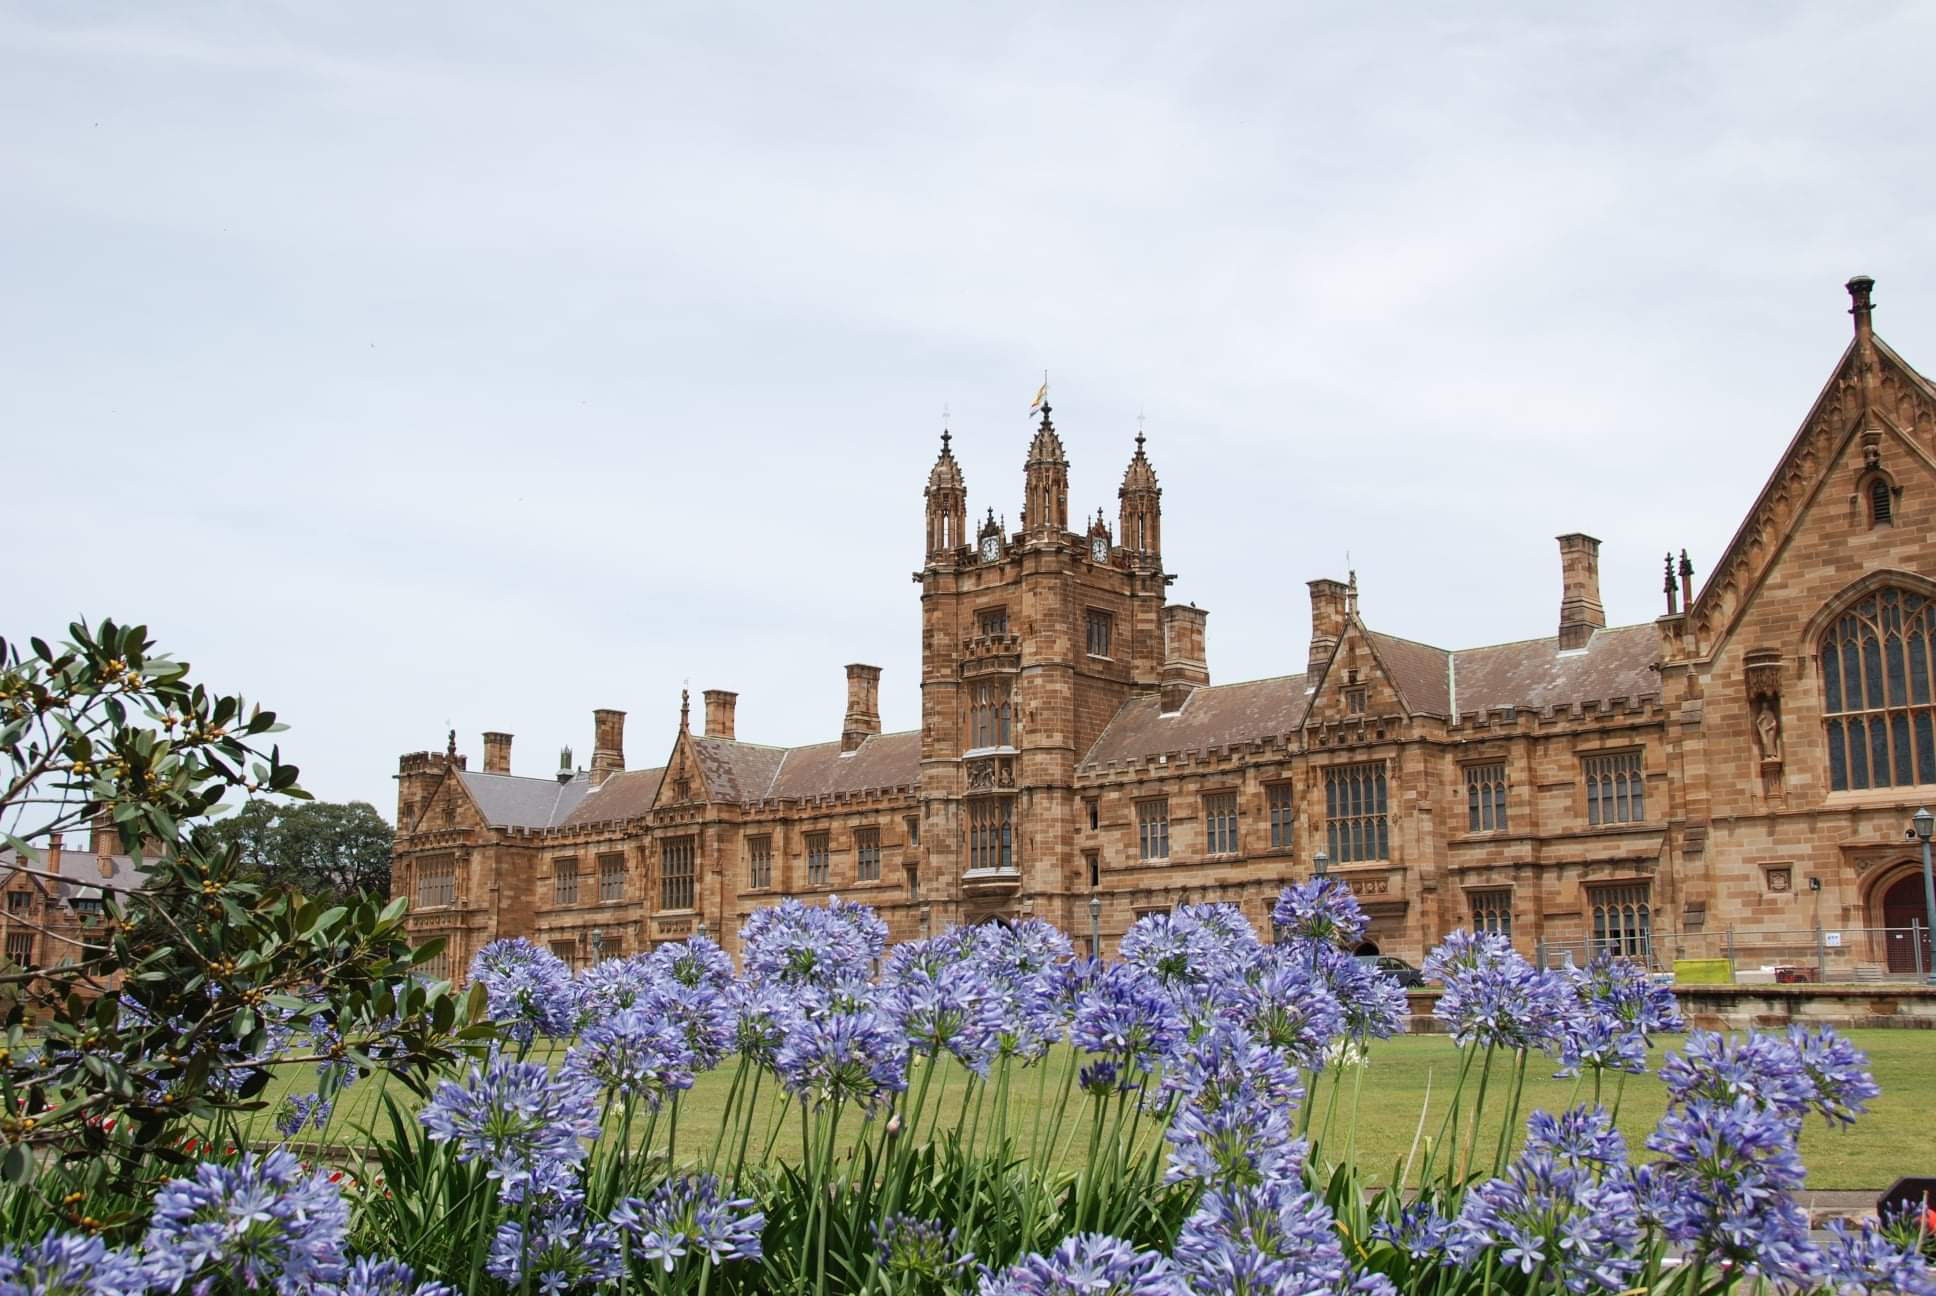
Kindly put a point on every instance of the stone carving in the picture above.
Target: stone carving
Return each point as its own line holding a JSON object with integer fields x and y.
{"x": 981, "y": 776}
{"x": 1768, "y": 731}
{"x": 1764, "y": 698}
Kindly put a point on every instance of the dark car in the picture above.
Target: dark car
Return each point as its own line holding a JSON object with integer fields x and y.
{"x": 1397, "y": 969}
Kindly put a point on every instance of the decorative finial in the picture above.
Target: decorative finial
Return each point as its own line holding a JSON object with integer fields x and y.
{"x": 946, "y": 437}
{"x": 450, "y": 747}
{"x": 1139, "y": 430}
{"x": 685, "y": 710}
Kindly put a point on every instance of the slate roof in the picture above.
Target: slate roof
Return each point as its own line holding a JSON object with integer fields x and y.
{"x": 737, "y": 771}
{"x": 625, "y": 795}
{"x": 1534, "y": 673}
{"x": 78, "y": 869}
{"x": 881, "y": 761}
{"x": 1211, "y": 717}
{"x": 1420, "y": 672}
{"x": 514, "y": 801}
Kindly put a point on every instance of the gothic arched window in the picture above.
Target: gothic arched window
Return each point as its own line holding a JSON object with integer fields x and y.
{"x": 1877, "y": 690}
{"x": 1881, "y": 502}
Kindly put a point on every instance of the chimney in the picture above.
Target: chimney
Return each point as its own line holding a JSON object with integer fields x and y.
{"x": 1861, "y": 307}
{"x": 497, "y": 753}
{"x": 863, "y": 706}
{"x": 1580, "y": 610}
{"x": 719, "y": 713}
{"x": 103, "y": 837}
{"x": 1185, "y": 668}
{"x": 1328, "y": 610}
{"x": 608, "y": 744}
{"x": 53, "y": 852}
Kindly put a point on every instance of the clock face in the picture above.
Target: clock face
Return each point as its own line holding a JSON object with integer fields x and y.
{"x": 1100, "y": 548}
{"x": 991, "y": 548}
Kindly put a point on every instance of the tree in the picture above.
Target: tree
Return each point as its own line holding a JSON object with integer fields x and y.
{"x": 165, "y": 1017}
{"x": 322, "y": 848}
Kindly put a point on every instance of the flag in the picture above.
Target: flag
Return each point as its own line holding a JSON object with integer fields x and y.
{"x": 1041, "y": 395}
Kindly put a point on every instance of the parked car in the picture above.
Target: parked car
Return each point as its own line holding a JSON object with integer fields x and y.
{"x": 1397, "y": 969}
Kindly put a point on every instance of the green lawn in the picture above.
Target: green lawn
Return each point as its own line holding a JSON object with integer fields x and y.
{"x": 1897, "y": 1137}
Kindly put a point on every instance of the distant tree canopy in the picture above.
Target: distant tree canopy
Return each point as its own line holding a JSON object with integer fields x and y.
{"x": 321, "y": 848}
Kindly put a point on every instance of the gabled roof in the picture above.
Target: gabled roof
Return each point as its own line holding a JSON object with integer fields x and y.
{"x": 625, "y": 795}
{"x": 1213, "y": 717}
{"x": 1534, "y": 673}
{"x": 1420, "y": 672}
{"x": 881, "y": 761}
{"x": 513, "y": 801}
{"x": 736, "y": 771}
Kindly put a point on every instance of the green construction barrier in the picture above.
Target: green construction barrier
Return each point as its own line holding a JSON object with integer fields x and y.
{"x": 1703, "y": 972}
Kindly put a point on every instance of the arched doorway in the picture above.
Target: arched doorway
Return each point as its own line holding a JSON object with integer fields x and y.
{"x": 1366, "y": 947}
{"x": 1903, "y": 910}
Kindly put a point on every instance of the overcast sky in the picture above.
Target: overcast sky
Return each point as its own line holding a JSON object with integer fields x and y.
{"x": 480, "y": 365}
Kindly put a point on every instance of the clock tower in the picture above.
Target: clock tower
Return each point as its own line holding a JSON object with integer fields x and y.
{"x": 1030, "y": 642}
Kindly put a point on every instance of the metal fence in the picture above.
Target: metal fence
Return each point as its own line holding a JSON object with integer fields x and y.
{"x": 1846, "y": 955}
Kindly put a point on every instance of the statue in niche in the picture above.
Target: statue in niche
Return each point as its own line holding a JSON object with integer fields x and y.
{"x": 981, "y": 777}
{"x": 1768, "y": 731}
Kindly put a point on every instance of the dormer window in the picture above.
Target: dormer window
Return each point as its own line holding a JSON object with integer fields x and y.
{"x": 1354, "y": 701}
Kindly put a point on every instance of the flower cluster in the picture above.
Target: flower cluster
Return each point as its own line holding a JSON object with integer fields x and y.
{"x": 689, "y": 1216}
{"x": 523, "y": 1123}
{"x": 529, "y": 988}
{"x": 264, "y": 1221}
{"x": 1494, "y": 997}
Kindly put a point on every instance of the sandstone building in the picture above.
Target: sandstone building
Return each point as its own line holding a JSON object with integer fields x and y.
{"x": 1745, "y": 762}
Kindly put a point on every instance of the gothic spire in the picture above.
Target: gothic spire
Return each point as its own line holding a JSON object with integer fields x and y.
{"x": 1140, "y": 525}
{"x": 947, "y": 496}
{"x": 1045, "y": 485}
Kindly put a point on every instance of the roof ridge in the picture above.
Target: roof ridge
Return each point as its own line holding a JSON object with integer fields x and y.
{"x": 1416, "y": 643}
{"x": 1553, "y": 638}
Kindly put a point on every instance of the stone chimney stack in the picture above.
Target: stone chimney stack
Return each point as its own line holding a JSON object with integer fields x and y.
{"x": 1330, "y": 600}
{"x": 608, "y": 744}
{"x": 863, "y": 706}
{"x": 1862, "y": 306}
{"x": 53, "y": 852}
{"x": 1185, "y": 666}
{"x": 497, "y": 753}
{"x": 719, "y": 713}
{"x": 1580, "y": 610}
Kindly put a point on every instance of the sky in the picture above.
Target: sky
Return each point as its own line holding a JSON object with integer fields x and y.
{"x": 472, "y": 366}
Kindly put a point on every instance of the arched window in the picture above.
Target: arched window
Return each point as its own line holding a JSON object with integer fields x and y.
{"x": 1877, "y": 692}
{"x": 1881, "y": 502}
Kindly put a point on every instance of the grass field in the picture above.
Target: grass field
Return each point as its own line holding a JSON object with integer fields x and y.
{"x": 1896, "y": 1138}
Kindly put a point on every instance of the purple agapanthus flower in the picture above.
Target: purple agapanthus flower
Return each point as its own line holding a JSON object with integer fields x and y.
{"x": 1494, "y": 997}
{"x": 695, "y": 961}
{"x": 523, "y": 1122}
{"x": 557, "y": 1247}
{"x": 703, "y": 1014}
{"x": 1560, "y": 1225}
{"x": 688, "y": 1217}
{"x": 1617, "y": 1010}
{"x": 300, "y": 1111}
{"x": 950, "y": 1011}
{"x": 1287, "y": 1003}
{"x": 608, "y": 988}
{"x": 1789, "y": 1074}
{"x": 1089, "y": 1264}
{"x": 528, "y": 987}
{"x": 1267, "y": 1237}
{"x": 761, "y": 1014}
{"x": 1419, "y": 1231}
{"x": 1581, "y": 1138}
{"x": 799, "y": 945}
{"x": 853, "y": 1055}
{"x": 69, "y": 1264}
{"x": 264, "y": 1222}
{"x": 632, "y": 1055}
{"x": 372, "y": 1277}
{"x": 1322, "y": 910}
{"x": 1124, "y": 1015}
{"x": 1371, "y": 1004}
{"x": 1723, "y": 1188}
{"x": 1866, "y": 1262}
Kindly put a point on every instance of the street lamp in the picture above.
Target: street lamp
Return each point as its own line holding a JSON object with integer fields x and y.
{"x": 702, "y": 929}
{"x": 1320, "y": 863}
{"x": 1095, "y": 923}
{"x": 1921, "y": 826}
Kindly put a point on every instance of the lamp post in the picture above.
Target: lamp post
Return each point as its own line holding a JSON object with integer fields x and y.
{"x": 1320, "y": 864}
{"x": 1922, "y": 825}
{"x": 1095, "y": 922}
{"x": 702, "y": 929}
